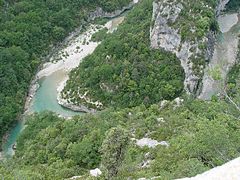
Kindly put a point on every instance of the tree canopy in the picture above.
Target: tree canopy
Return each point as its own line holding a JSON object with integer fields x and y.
{"x": 27, "y": 29}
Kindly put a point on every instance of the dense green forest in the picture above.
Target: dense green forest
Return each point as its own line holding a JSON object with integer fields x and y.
{"x": 138, "y": 87}
{"x": 124, "y": 71}
{"x": 201, "y": 135}
{"x": 27, "y": 29}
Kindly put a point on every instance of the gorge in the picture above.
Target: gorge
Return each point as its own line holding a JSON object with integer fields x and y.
{"x": 139, "y": 75}
{"x": 44, "y": 92}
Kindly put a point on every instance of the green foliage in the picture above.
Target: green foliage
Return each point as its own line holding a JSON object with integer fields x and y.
{"x": 189, "y": 167}
{"x": 86, "y": 152}
{"x": 113, "y": 149}
{"x": 111, "y": 5}
{"x": 233, "y": 5}
{"x": 215, "y": 74}
{"x": 27, "y": 29}
{"x": 233, "y": 84}
{"x": 100, "y": 35}
{"x": 201, "y": 135}
{"x": 199, "y": 17}
{"x": 124, "y": 71}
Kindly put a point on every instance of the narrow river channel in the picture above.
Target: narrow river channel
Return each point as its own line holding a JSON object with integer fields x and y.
{"x": 45, "y": 98}
{"x": 53, "y": 74}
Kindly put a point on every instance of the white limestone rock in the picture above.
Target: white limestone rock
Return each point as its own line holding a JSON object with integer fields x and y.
{"x": 95, "y": 172}
{"x": 150, "y": 143}
{"x": 75, "y": 177}
{"x": 228, "y": 171}
{"x": 221, "y": 6}
{"x": 163, "y": 36}
{"x": 178, "y": 101}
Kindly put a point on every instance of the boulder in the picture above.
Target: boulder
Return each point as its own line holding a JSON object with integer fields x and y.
{"x": 95, "y": 172}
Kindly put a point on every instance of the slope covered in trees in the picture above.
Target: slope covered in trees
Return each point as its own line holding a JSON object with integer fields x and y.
{"x": 27, "y": 29}
{"x": 201, "y": 135}
{"x": 124, "y": 71}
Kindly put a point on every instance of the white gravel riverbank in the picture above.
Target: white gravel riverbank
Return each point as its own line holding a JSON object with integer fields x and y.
{"x": 71, "y": 56}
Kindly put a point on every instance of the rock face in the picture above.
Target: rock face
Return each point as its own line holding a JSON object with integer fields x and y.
{"x": 228, "y": 171}
{"x": 99, "y": 12}
{"x": 223, "y": 59}
{"x": 151, "y": 143}
{"x": 162, "y": 35}
{"x": 95, "y": 172}
{"x": 165, "y": 34}
{"x": 221, "y": 6}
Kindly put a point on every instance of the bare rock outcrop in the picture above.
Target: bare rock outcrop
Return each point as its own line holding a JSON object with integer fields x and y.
{"x": 221, "y": 6}
{"x": 99, "y": 12}
{"x": 164, "y": 36}
{"x": 228, "y": 171}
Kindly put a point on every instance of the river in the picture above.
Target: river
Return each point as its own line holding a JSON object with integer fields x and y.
{"x": 54, "y": 72}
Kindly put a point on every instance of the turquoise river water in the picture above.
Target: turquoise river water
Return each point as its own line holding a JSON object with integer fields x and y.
{"x": 45, "y": 99}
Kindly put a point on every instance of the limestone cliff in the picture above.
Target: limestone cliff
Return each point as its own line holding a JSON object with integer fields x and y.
{"x": 164, "y": 35}
{"x": 221, "y": 6}
{"x": 179, "y": 27}
{"x": 99, "y": 12}
{"x": 228, "y": 171}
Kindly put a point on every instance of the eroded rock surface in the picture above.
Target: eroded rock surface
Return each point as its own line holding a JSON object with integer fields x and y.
{"x": 163, "y": 35}
{"x": 151, "y": 143}
{"x": 99, "y": 12}
{"x": 224, "y": 57}
{"x": 228, "y": 171}
{"x": 221, "y": 6}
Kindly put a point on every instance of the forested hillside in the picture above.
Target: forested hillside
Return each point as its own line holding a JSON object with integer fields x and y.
{"x": 147, "y": 126}
{"x": 201, "y": 135}
{"x": 124, "y": 71}
{"x": 27, "y": 29}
